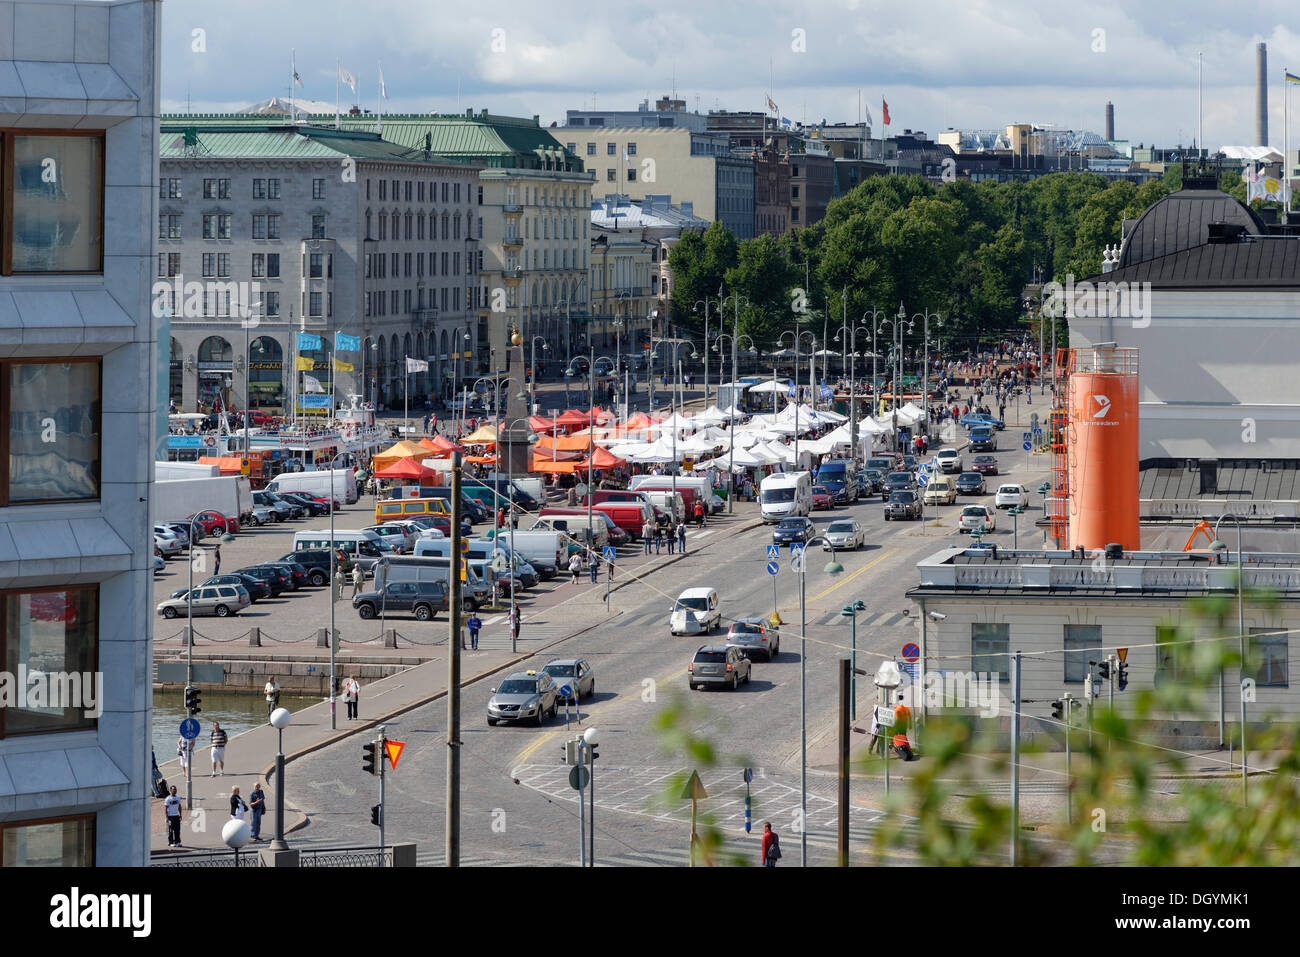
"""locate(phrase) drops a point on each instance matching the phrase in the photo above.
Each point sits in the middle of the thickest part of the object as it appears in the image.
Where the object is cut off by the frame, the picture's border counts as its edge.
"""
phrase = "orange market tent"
(602, 459)
(549, 446)
(573, 418)
(542, 425)
(482, 459)
(483, 435)
(444, 445)
(225, 464)
(547, 465)
(394, 454)
(406, 468)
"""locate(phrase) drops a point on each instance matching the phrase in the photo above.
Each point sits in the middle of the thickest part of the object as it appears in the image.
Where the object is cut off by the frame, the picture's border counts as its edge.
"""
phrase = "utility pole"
(453, 671)
(1069, 707)
(1015, 754)
(845, 678)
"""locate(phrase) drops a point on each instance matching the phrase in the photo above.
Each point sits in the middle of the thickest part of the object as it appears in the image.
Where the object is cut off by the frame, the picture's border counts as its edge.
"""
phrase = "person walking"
(475, 625)
(185, 751)
(647, 535)
(272, 692)
(672, 540)
(216, 560)
(699, 514)
(218, 739)
(173, 808)
(681, 536)
(771, 845)
(516, 623)
(593, 566)
(238, 806)
(575, 565)
(659, 538)
(257, 805)
(352, 696)
(358, 578)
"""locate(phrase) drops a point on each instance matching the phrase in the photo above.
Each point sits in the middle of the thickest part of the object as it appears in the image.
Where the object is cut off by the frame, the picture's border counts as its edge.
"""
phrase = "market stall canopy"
(406, 468)
(549, 445)
(542, 424)
(601, 459)
(771, 386)
(226, 465)
(444, 445)
(483, 435)
(675, 422)
(395, 453)
(661, 451)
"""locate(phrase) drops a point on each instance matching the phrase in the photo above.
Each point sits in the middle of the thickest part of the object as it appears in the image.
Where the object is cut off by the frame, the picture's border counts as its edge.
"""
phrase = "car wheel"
(735, 681)
(366, 611)
(221, 611)
(254, 520)
(318, 578)
(541, 716)
(423, 613)
(492, 722)
(591, 692)
(169, 612)
(692, 685)
(748, 674)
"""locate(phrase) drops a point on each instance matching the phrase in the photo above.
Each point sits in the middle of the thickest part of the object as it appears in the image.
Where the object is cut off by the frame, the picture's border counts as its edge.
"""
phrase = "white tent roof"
(675, 421)
(770, 386)
(660, 451)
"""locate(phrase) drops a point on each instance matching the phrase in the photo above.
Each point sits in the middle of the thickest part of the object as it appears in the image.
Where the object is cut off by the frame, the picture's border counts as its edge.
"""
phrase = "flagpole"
(338, 72)
(406, 399)
(1286, 158)
(379, 101)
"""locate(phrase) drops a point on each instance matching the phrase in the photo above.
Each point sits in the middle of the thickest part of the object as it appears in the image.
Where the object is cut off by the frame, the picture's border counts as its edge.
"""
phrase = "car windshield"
(974, 511)
(840, 527)
(791, 523)
(834, 473)
(710, 656)
(560, 671)
(899, 478)
(970, 476)
(821, 490)
(1010, 489)
(904, 497)
(770, 495)
(983, 458)
(517, 686)
(746, 628)
(696, 604)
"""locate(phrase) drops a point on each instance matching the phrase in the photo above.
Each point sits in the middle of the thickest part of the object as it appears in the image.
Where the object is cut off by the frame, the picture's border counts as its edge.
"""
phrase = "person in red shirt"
(770, 843)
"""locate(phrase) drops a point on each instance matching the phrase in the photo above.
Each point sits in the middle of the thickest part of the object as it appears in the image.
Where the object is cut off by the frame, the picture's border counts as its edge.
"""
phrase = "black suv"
(277, 579)
(317, 563)
(903, 504)
(423, 599)
(897, 482)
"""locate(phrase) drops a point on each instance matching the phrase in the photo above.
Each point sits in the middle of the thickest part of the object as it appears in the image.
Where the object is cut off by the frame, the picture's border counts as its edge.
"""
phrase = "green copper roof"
(282, 141)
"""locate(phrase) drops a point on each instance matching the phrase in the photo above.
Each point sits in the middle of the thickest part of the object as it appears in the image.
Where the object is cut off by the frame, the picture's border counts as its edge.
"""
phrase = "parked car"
(180, 529)
(281, 508)
(898, 482)
(524, 695)
(822, 497)
(949, 460)
(169, 534)
(755, 636)
(904, 503)
(317, 563)
(297, 573)
(209, 523)
(400, 535)
(844, 533)
(871, 480)
(985, 465)
(576, 673)
(797, 529)
(976, 517)
(422, 599)
(219, 600)
(257, 589)
(718, 665)
(971, 483)
(167, 547)
(158, 564)
(258, 515)
(312, 506)
(1009, 495)
(279, 579)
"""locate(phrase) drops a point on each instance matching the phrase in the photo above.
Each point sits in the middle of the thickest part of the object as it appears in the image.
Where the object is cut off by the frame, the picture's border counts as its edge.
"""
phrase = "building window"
(209, 265)
(480, 195)
(611, 176)
(315, 304)
(61, 842)
(990, 649)
(169, 264)
(272, 226)
(259, 189)
(259, 226)
(318, 188)
(408, 190)
(272, 265)
(169, 226)
(444, 192)
(611, 149)
(318, 226)
(223, 265)
(1266, 654)
(631, 149)
(383, 190)
(317, 266)
(406, 263)
(1167, 653)
(53, 410)
(631, 174)
(272, 301)
(259, 265)
(1082, 643)
(53, 226)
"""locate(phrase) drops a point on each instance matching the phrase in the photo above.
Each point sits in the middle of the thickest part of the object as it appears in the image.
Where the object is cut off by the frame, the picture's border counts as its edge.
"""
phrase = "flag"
(307, 342)
(340, 366)
(348, 78)
(294, 66)
(383, 90)
(885, 109)
(416, 365)
(346, 343)
(870, 121)
(1291, 77)
(785, 121)
(303, 364)
(772, 106)
(312, 384)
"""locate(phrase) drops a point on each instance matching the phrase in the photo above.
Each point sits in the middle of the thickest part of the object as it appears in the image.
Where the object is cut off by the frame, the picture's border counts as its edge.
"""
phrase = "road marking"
(702, 534)
(493, 621)
(869, 564)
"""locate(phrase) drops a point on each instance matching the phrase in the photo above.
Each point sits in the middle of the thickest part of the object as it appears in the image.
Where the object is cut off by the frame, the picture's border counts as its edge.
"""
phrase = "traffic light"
(377, 815)
(594, 753)
(1123, 675)
(368, 757)
(570, 751)
(1103, 670)
(192, 700)
(1058, 710)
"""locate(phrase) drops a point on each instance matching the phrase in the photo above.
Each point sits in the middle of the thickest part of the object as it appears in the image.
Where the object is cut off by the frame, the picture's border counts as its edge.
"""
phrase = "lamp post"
(510, 520)
(280, 719)
(706, 301)
(898, 325)
(189, 646)
(532, 377)
(1219, 545)
(850, 612)
(498, 384)
(457, 412)
(832, 568)
(925, 386)
(853, 387)
(731, 424)
(797, 335)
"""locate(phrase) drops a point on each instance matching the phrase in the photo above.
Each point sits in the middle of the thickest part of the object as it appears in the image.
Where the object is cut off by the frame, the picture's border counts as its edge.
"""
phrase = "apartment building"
(78, 360)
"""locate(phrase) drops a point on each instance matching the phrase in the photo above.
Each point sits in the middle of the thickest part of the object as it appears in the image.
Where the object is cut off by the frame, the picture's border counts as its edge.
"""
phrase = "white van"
(695, 612)
(344, 483)
(785, 495)
(364, 548)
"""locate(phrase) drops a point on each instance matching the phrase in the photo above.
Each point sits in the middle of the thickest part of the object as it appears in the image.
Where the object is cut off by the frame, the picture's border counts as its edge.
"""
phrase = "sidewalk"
(250, 757)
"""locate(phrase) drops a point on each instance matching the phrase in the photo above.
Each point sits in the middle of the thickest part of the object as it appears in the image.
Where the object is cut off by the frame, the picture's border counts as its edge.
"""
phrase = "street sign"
(923, 468)
(566, 692)
(884, 716)
(911, 652)
(774, 551)
(1028, 435)
(749, 775)
(579, 776)
(773, 567)
(694, 789)
(923, 480)
(609, 554)
(190, 726)
(1122, 652)
(1027, 446)
(796, 557)
(394, 749)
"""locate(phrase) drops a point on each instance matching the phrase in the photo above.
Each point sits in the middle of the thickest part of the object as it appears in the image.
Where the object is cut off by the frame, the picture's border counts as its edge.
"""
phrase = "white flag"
(348, 78)
(416, 365)
(383, 90)
(311, 384)
(294, 66)
(870, 121)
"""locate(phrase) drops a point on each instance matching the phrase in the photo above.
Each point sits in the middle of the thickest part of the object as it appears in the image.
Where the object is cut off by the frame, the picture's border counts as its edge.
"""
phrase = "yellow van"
(397, 509)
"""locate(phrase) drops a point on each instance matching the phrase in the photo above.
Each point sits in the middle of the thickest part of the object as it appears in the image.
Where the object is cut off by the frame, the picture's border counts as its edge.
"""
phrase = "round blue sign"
(189, 729)
(911, 652)
(773, 567)
(566, 692)
(1026, 446)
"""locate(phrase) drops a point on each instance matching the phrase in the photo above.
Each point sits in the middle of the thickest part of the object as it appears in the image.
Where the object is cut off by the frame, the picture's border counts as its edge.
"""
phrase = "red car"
(259, 418)
(213, 522)
(822, 497)
(985, 465)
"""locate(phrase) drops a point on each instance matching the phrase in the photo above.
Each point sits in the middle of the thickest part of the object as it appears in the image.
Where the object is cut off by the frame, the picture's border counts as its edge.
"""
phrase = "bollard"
(390, 638)
(322, 637)
(189, 637)
(255, 637)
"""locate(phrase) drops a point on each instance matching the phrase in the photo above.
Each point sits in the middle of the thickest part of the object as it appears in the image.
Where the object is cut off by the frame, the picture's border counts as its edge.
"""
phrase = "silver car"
(718, 665)
(219, 600)
(755, 636)
(170, 547)
(844, 533)
(576, 673)
(524, 696)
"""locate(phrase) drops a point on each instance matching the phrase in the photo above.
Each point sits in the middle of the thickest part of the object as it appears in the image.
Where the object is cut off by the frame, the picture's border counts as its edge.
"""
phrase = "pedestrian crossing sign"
(773, 551)
(608, 554)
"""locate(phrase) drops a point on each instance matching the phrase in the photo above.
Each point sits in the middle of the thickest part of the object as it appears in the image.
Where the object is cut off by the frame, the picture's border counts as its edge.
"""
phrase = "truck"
(541, 548)
(690, 487)
(174, 500)
(337, 484)
(785, 495)
(167, 471)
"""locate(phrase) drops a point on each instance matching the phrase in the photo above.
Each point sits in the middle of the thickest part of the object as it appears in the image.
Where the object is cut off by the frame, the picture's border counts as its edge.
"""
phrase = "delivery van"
(392, 511)
(629, 516)
(785, 495)
(363, 548)
(339, 484)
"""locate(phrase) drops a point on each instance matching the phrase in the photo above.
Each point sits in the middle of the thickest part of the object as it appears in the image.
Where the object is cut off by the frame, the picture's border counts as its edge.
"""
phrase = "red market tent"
(407, 468)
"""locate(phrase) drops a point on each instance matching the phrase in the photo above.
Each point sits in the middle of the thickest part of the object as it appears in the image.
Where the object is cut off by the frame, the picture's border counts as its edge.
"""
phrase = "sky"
(973, 64)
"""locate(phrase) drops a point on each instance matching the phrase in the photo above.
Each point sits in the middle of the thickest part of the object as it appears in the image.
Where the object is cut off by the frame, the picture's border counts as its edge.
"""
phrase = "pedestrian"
(681, 536)
(358, 578)
(338, 584)
(218, 739)
(352, 696)
(771, 845)
(185, 750)
(516, 623)
(699, 514)
(238, 806)
(474, 624)
(609, 565)
(575, 565)
(173, 808)
(647, 534)
(672, 541)
(593, 567)
(216, 560)
(659, 538)
(257, 805)
(272, 692)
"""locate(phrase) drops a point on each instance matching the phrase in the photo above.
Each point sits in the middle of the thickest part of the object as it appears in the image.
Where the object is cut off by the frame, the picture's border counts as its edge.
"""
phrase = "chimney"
(1110, 120)
(1261, 94)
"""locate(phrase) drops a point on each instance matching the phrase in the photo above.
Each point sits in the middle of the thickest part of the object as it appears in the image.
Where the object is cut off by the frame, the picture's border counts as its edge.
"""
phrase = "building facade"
(771, 191)
(265, 232)
(667, 113)
(812, 186)
(78, 371)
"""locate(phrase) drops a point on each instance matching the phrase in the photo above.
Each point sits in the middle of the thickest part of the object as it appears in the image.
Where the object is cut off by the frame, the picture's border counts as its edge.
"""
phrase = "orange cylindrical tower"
(1102, 401)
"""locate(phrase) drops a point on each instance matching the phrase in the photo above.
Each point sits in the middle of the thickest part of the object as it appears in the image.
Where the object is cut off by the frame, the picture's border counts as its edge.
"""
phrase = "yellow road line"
(871, 564)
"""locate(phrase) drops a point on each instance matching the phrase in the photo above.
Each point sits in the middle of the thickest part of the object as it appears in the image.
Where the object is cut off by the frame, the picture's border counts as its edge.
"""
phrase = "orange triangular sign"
(394, 749)
(1123, 653)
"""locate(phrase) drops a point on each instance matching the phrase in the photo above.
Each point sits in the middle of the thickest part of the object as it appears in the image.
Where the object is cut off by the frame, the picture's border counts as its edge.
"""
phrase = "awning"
(225, 464)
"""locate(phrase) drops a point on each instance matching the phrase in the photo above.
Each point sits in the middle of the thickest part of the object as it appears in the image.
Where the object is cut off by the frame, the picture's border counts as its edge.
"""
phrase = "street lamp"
(706, 301)
(189, 642)
(851, 613)
(497, 384)
(457, 414)
(899, 324)
(731, 422)
(280, 719)
(797, 334)
(591, 738)
(832, 568)
(236, 834)
(853, 389)
(1220, 546)
(510, 520)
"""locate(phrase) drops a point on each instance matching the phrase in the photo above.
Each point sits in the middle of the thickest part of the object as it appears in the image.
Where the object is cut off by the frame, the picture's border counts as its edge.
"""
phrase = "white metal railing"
(1213, 508)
